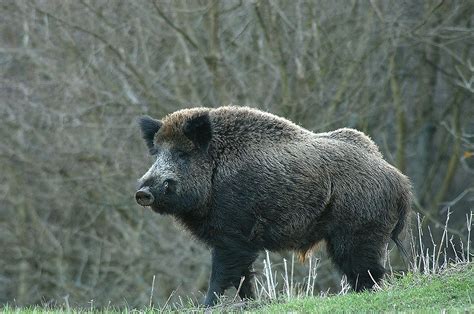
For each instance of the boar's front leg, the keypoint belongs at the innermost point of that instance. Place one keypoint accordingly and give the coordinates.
(229, 265)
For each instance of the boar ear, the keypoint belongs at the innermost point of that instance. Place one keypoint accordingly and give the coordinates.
(198, 130)
(149, 127)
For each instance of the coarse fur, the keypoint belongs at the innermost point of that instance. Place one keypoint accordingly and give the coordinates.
(242, 180)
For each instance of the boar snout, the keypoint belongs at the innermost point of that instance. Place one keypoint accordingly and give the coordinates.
(144, 197)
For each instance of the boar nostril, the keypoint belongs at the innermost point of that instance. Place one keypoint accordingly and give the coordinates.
(144, 197)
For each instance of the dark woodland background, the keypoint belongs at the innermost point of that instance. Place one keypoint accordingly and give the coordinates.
(74, 75)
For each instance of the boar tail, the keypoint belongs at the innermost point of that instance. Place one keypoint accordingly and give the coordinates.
(404, 209)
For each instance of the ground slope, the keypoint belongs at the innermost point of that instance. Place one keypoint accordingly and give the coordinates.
(452, 291)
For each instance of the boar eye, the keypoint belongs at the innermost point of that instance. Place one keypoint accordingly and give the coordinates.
(169, 186)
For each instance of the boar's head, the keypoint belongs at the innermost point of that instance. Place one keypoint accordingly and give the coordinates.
(180, 179)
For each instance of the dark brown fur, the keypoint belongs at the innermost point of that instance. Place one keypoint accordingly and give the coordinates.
(252, 181)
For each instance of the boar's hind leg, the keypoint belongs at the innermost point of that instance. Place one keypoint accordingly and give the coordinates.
(357, 254)
(228, 267)
(246, 289)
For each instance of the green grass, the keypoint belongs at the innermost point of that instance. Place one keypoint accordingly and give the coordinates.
(452, 290)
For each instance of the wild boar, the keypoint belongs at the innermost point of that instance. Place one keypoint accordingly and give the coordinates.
(242, 181)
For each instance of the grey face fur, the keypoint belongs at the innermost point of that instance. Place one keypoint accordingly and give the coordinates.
(160, 179)
(164, 168)
(179, 179)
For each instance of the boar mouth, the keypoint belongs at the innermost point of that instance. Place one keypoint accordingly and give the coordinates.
(158, 209)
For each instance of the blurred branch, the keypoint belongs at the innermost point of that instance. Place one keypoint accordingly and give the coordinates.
(400, 116)
(107, 44)
(430, 218)
(454, 159)
(262, 22)
(428, 16)
(377, 10)
(98, 14)
(214, 56)
(173, 26)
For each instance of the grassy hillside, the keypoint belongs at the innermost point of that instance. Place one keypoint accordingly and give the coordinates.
(453, 290)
